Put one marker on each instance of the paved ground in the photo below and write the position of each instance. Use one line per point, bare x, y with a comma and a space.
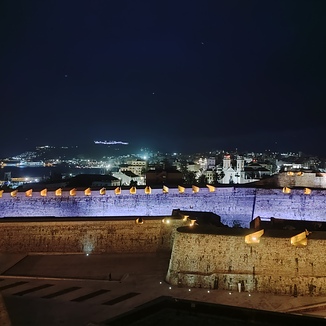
80, 290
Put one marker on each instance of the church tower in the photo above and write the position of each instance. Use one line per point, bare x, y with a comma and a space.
240, 164
226, 162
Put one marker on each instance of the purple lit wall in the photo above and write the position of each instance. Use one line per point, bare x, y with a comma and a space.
234, 205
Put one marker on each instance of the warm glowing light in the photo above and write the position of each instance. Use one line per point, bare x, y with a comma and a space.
286, 190
58, 192
148, 190
43, 192
300, 240
139, 220
181, 189
192, 222
88, 192
166, 221
185, 218
133, 190
102, 191
1, 192
210, 188
117, 190
165, 189
290, 173
29, 193
307, 191
14, 193
254, 237
300, 173
73, 191
195, 189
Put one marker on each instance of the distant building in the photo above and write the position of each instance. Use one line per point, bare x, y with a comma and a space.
233, 174
256, 171
136, 166
127, 177
164, 177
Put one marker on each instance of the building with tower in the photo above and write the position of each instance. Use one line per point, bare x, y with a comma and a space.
234, 172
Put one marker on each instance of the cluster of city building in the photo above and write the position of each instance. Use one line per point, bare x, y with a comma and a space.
156, 169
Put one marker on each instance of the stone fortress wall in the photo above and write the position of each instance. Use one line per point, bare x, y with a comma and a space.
107, 224
95, 236
235, 205
272, 266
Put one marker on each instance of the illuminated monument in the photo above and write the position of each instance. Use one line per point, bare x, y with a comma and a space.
235, 205
288, 260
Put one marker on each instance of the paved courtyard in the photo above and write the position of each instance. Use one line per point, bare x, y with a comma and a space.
75, 289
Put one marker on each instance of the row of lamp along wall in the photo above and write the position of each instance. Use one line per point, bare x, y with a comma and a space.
299, 240
132, 190
287, 190
117, 191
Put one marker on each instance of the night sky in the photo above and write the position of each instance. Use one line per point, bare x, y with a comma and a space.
166, 75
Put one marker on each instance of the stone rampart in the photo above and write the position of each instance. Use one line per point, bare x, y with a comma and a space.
223, 261
88, 236
234, 205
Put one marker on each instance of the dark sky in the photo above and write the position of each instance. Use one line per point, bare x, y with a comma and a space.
168, 75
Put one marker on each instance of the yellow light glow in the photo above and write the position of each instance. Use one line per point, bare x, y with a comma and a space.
181, 189
300, 173
102, 191
210, 188
185, 218
192, 222
1, 192
88, 192
165, 189
133, 190
43, 192
254, 237
29, 193
307, 191
58, 192
72, 192
300, 240
195, 189
14, 193
117, 190
139, 220
290, 173
286, 190
148, 190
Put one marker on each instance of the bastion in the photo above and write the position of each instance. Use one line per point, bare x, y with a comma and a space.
224, 258
88, 236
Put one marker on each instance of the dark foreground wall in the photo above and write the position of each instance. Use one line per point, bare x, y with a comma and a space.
234, 205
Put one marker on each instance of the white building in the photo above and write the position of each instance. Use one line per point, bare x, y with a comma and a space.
236, 174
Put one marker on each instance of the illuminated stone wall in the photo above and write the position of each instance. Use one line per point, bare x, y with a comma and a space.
93, 236
234, 205
293, 179
273, 265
